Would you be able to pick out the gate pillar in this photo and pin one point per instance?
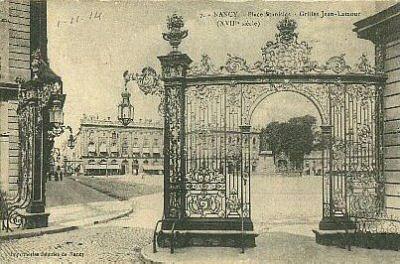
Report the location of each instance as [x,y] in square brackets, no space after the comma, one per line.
[174,68]
[40,115]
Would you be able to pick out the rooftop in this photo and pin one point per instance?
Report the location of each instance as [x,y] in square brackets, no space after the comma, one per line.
[101,121]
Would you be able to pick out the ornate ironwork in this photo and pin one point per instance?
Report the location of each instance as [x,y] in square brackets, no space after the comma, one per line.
[150,83]
[382,223]
[205,67]
[208,112]
[285,56]
[40,120]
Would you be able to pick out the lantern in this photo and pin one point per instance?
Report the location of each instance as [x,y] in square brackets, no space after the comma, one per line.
[71,142]
[125,108]
[56,115]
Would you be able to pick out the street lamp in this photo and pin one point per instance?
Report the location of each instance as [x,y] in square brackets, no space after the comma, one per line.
[71,142]
[56,115]
[125,108]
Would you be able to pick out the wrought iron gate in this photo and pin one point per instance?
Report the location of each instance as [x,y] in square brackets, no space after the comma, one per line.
[208,112]
[40,120]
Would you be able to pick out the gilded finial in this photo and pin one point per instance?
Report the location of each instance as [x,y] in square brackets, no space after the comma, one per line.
[175,34]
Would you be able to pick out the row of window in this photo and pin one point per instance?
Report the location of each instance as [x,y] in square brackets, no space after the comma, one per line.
[115,162]
[116,154]
[135,141]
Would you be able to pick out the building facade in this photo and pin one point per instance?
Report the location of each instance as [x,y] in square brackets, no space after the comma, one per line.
[107,147]
[383,30]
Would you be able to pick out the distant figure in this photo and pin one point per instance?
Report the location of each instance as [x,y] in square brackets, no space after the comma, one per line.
[61,175]
[49,176]
[58,173]
[56,176]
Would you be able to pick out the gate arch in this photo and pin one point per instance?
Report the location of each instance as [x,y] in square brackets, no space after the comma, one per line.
[312,98]
[202,104]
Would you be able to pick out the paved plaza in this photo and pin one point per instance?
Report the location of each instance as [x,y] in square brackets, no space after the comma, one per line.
[285,211]
[98,244]
[68,191]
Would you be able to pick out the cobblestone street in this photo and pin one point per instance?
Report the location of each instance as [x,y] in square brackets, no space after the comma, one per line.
[98,244]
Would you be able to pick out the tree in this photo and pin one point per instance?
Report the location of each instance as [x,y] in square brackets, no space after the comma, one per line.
[295,138]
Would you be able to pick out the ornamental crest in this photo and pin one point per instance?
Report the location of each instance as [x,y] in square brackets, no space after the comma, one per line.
[286,55]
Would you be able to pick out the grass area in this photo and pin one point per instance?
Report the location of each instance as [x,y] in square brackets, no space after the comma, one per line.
[118,188]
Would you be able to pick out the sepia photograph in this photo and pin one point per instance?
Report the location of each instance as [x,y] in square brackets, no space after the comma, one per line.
[191,131]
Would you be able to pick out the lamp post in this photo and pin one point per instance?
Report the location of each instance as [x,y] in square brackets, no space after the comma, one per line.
[71,142]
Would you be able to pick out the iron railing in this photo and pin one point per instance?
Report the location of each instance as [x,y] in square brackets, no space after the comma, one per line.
[10,215]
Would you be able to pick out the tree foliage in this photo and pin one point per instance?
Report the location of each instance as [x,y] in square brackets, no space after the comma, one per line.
[295,138]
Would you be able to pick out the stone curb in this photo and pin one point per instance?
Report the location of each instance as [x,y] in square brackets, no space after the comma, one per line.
[37,232]
[26,233]
[103,221]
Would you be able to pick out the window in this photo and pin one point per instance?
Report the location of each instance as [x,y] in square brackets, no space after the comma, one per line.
[135,142]
[114,135]
[124,149]
[145,142]
[91,149]
[114,150]
[103,148]
[155,142]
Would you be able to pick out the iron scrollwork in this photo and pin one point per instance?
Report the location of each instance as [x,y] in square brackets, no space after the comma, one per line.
[149,82]
[284,56]
[253,94]
[35,97]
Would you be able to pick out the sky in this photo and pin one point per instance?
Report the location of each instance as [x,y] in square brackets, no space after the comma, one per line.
[91,44]
[283,106]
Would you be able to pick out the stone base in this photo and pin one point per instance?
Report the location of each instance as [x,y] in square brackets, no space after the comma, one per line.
[339,238]
[36,220]
[207,233]
[337,223]
[207,239]
[342,239]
